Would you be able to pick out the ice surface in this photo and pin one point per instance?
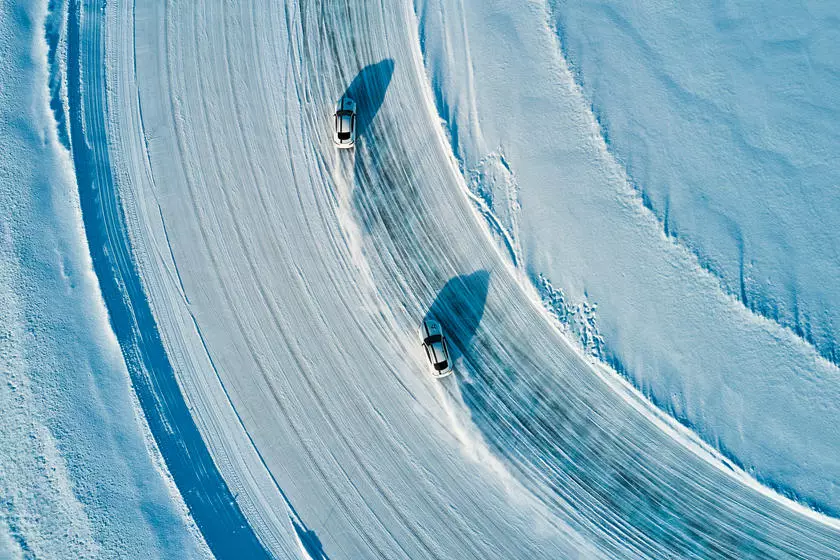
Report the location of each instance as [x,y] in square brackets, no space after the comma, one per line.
[281,344]
[287,281]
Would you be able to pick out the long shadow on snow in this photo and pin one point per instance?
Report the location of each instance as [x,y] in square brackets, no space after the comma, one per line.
[310,542]
[368,91]
[459,307]
[374,164]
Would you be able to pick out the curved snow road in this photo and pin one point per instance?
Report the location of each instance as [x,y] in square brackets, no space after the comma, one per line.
[288,280]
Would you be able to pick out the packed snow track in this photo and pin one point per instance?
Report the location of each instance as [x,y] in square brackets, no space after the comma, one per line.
[287,280]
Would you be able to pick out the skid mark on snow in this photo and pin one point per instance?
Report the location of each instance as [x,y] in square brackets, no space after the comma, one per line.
[565,447]
[309,542]
[344,164]
[459,307]
[368,89]
[199,481]
[491,186]
[172,256]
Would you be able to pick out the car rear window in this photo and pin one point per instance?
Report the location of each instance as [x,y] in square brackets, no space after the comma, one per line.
[344,136]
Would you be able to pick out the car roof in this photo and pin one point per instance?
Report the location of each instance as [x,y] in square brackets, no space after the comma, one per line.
[344,123]
[432,339]
[439,353]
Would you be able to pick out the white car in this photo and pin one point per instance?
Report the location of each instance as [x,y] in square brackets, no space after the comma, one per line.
[344,134]
[434,343]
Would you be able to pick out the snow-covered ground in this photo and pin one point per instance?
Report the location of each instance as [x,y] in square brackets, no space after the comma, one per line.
[725,117]
[266,289]
[80,475]
[536,158]
[288,279]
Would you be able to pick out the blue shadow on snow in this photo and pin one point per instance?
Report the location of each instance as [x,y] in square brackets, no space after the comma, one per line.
[310,542]
[368,91]
[459,307]
[211,504]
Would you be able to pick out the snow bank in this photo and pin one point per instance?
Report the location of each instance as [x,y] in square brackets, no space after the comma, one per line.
[587,239]
[78,472]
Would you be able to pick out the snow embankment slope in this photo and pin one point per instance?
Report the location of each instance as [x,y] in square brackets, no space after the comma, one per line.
[80,476]
[725,118]
[535,158]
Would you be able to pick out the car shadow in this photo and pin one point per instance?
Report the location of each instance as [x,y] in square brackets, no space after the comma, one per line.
[310,541]
[459,307]
[377,177]
[368,91]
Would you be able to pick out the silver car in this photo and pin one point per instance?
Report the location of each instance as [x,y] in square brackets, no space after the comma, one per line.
[434,343]
[344,134]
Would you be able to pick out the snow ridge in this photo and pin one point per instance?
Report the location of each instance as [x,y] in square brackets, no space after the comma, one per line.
[747,288]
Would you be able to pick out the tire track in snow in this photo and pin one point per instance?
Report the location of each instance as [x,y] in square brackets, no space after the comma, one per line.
[200,484]
[554,422]
[278,399]
[733,526]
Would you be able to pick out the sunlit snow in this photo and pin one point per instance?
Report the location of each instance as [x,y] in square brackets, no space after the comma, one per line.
[624,218]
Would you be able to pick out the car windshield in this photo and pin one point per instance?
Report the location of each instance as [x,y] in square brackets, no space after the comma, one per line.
[434,339]
[344,136]
[441,366]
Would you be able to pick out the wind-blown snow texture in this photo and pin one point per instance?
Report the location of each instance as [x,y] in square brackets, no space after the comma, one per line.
[266,290]
[725,116]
